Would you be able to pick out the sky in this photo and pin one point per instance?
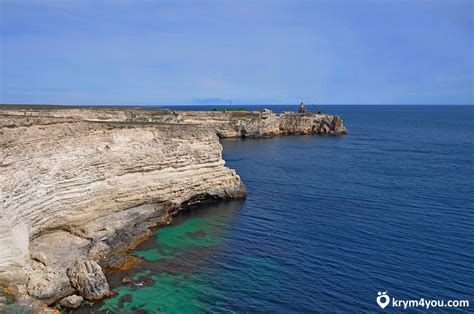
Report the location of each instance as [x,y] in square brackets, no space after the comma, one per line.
[143,52]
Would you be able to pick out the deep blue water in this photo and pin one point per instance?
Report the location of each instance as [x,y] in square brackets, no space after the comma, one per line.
[390,207]
[330,221]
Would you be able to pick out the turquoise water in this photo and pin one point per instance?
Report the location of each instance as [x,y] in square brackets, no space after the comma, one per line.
[328,222]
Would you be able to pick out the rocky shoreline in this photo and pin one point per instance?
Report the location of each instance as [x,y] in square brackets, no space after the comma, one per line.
[83,185]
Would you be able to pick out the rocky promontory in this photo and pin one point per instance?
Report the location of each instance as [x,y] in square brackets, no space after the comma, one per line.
[82,185]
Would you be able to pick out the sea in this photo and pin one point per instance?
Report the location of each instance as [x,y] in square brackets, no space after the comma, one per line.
[331,224]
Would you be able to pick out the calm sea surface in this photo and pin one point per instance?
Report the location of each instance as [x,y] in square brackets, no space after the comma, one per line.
[328,222]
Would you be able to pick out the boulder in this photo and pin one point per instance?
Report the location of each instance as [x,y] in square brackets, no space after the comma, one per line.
[72,301]
[88,279]
[48,285]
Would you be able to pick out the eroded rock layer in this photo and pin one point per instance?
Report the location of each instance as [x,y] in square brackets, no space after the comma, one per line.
[80,185]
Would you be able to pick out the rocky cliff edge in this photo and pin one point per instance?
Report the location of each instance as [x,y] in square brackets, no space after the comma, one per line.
[79,186]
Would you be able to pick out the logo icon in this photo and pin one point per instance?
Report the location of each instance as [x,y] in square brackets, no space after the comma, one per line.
[383,299]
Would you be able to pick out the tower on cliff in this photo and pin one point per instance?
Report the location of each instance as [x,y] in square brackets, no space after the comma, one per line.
[302,108]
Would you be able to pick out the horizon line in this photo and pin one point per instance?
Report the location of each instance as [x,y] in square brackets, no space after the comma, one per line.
[217,105]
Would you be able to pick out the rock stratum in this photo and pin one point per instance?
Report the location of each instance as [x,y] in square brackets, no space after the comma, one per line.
[81,186]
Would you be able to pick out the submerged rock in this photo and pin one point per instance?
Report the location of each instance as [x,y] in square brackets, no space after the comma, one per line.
[89,280]
[126,280]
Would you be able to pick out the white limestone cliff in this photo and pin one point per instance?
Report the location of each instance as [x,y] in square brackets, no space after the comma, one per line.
[83,184]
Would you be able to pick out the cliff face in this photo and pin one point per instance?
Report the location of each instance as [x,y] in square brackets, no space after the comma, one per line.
[265,124]
[78,186]
[71,189]
[223,123]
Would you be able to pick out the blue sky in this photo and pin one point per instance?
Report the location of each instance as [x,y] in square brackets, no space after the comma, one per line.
[255,52]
